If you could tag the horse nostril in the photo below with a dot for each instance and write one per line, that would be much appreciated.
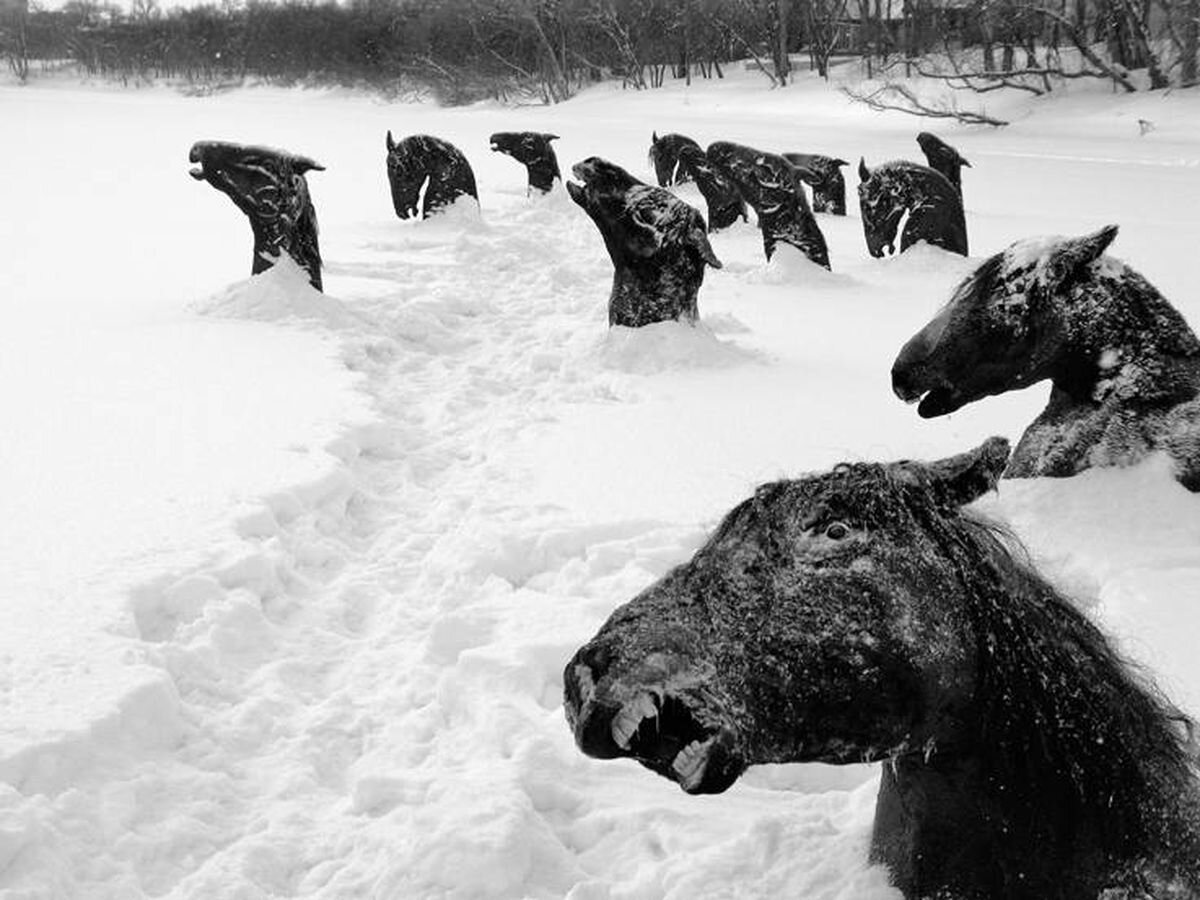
(597, 657)
(902, 385)
(580, 676)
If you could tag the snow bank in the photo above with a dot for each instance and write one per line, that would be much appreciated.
(290, 578)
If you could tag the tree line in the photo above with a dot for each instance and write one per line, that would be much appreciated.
(462, 50)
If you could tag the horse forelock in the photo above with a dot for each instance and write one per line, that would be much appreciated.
(869, 495)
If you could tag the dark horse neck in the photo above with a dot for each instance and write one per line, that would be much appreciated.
(944, 831)
(789, 223)
(542, 174)
(299, 242)
(1124, 342)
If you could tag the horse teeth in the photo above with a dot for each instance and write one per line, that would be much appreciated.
(585, 682)
(691, 762)
(630, 718)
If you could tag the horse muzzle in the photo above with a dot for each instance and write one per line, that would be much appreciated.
(669, 731)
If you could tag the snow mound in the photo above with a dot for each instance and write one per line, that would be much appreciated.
(668, 346)
(789, 265)
(280, 294)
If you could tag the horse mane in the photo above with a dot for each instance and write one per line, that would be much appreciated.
(1066, 724)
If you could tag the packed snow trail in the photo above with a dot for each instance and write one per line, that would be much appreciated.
(362, 698)
(324, 695)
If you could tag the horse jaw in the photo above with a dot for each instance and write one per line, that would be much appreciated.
(665, 724)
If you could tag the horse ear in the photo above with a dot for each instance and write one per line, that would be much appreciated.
(550, 137)
(654, 137)
(302, 164)
(840, 162)
(391, 144)
(863, 172)
(804, 173)
(958, 480)
(1074, 253)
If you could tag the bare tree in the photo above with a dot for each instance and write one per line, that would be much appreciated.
(781, 57)
(1189, 44)
(826, 23)
(14, 36)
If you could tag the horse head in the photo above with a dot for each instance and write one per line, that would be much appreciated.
(269, 186)
(664, 157)
(266, 184)
(767, 181)
(526, 147)
(824, 175)
(821, 622)
(882, 205)
(1003, 328)
(408, 171)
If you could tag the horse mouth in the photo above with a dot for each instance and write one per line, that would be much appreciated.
(582, 172)
(937, 402)
(196, 155)
(666, 734)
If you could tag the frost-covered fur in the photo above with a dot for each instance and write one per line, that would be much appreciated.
(658, 244)
(934, 207)
(421, 158)
(267, 185)
(1123, 364)
(771, 185)
(943, 158)
(724, 201)
(861, 615)
(664, 157)
(532, 150)
(824, 175)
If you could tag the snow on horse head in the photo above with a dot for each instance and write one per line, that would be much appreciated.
(824, 175)
(772, 185)
(532, 150)
(657, 243)
(934, 207)
(268, 185)
(1123, 364)
(721, 195)
(664, 157)
(421, 162)
(863, 615)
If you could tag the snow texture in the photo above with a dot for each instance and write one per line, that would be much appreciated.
(289, 585)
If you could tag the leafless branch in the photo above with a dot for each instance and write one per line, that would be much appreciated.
(1081, 45)
(884, 98)
(999, 80)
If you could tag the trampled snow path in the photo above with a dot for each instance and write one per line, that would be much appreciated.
(363, 699)
(323, 696)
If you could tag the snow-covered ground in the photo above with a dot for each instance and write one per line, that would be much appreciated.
(288, 581)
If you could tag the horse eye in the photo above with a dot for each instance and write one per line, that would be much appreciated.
(836, 531)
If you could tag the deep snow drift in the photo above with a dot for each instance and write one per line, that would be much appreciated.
(289, 579)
